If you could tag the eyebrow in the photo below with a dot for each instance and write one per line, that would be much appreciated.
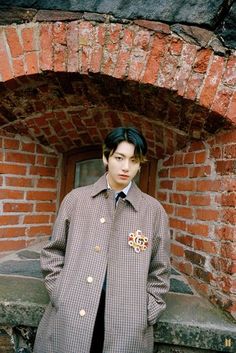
(121, 154)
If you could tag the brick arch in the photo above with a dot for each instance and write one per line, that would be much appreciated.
(125, 52)
(191, 82)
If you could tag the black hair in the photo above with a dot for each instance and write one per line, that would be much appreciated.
(129, 134)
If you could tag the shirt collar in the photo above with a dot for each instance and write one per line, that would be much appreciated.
(125, 190)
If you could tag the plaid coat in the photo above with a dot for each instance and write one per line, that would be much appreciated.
(91, 238)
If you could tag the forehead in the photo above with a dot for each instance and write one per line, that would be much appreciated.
(125, 148)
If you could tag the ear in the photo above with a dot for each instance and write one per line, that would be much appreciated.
(105, 161)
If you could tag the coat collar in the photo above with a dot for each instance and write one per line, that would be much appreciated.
(134, 195)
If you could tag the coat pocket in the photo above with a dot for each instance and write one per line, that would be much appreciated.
(54, 297)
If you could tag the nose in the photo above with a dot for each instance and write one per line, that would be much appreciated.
(125, 166)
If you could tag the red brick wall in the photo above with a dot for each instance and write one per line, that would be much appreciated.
(197, 187)
(28, 192)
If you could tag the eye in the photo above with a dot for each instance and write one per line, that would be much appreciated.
(134, 160)
(118, 158)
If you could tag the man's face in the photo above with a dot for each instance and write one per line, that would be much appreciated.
(122, 166)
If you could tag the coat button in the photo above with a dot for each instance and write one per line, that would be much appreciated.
(90, 279)
(82, 312)
(102, 220)
(97, 248)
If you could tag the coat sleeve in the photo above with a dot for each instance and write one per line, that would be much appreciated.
(159, 271)
(53, 254)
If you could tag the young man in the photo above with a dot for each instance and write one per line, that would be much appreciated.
(107, 266)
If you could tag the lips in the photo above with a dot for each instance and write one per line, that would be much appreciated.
(123, 176)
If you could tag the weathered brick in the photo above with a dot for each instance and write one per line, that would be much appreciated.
(97, 49)
(229, 215)
(11, 194)
(34, 219)
(177, 250)
(209, 247)
(230, 151)
(185, 185)
(179, 172)
(42, 230)
(222, 100)
(11, 144)
(177, 224)
(17, 157)
(19, 181)
(139, 55)
(202, 274)
(216, 152)
(28, 147)
(189, 158)
(198, 172)
(46, 183)
(45, 207)
(183, 73)
(168, 208)
(41, 195)
(167, 70)
(176, 46)
(198, 229)
(10, 245)
(212, 81)
(226, 232)
(184, 212)
(13, 41)
(184, 239)
(200, 157)
(208, 185)
(46, 46)
(12, 232)
(72, 38)
(207, 215)
(5, 67)
(86, 38)
(226, 167)
(157, 52)
(228, 250)
(186, 268)
(18, 67)
(229, 77)
(228, 199)
(199, 200)
(42, 171)
(193, 85)
(28, 38)
(178, 198)
(31, 62)
(202, 60)
(166, 184)
(7, 220)
(195, 258)
(17, 207)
